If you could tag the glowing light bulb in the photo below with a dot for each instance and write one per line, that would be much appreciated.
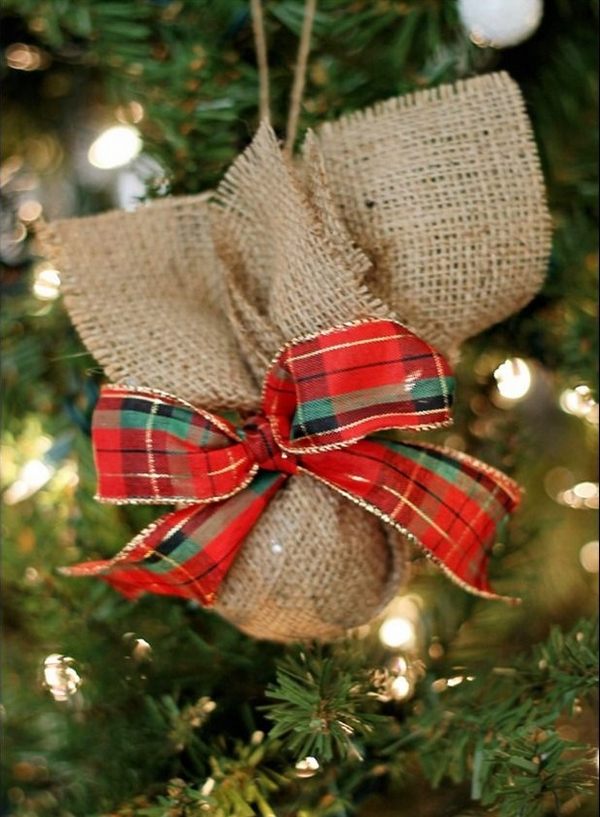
(513, 378)
(33, 476)
(24, 57)
(589, 558)
(115, 147)
(582, 495)
(60, 677)
(578, 401)
(142, 650)
(307, 767)
(30, 211)
(400, 688)
(397, 632)
(46, 285)
(586, 490)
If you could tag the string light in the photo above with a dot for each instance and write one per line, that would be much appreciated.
(46, 284)
(581, 495)
(132, 112)
(401, 688)
(513, 378)
(399, 628)
(142, 650)
(33, 476)
(397, 632)
(115, 147)
(307, 767)
(60, 677)
(24, 57)
(435, 650)
(30, 211)
(579, 402)
(208, 787)
(588, 556)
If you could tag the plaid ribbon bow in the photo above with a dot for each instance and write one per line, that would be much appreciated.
(324, 398)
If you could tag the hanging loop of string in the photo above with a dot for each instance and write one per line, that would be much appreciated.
(310, 8)
(260, 40)
(260, 43)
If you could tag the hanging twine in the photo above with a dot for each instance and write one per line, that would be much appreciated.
(310, 9)
(260, 41)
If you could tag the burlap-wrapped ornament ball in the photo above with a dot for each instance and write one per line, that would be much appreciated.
(427, 210)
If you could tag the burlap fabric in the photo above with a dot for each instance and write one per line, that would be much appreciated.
(428, 209)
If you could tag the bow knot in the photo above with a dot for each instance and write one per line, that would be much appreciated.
(326, 399)
(262, 448)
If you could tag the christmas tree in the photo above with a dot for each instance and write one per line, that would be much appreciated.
(446, 704)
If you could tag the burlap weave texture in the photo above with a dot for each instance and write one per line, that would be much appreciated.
(428, 209)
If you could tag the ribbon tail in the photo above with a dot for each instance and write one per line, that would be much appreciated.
(448, 503)
(188, 552)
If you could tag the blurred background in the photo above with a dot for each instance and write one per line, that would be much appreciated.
(110, 706)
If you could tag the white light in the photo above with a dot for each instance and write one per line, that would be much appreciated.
(115, 147)
(454, 682)
(588, 556)
(31, 478)
(397, 632)
(582, 495)
(586, 490)
(46, 286)
(60, 677)
(578, 401)
(513, 378)
(142, 650)
(400, 688)
(307, 767)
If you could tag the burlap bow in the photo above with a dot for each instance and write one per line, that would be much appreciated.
(323, 399)
(428, 210)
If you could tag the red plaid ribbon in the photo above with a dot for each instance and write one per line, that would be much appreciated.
(324, 399)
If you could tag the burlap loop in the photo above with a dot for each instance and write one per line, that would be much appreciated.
(429, 209)
(146, 292)
(443, 191)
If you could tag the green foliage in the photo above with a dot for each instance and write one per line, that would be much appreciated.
(214, 723)
(493, 727)
(321, 704)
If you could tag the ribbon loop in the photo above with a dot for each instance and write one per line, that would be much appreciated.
(152, 448)
(334, 388)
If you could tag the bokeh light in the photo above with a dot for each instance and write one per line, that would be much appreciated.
(60, 677)
(22, 57)
(588, 556)
(115, 147)
(397, 632)
(513, 378)
(46, 284)
(578, 401)
(33, 476)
